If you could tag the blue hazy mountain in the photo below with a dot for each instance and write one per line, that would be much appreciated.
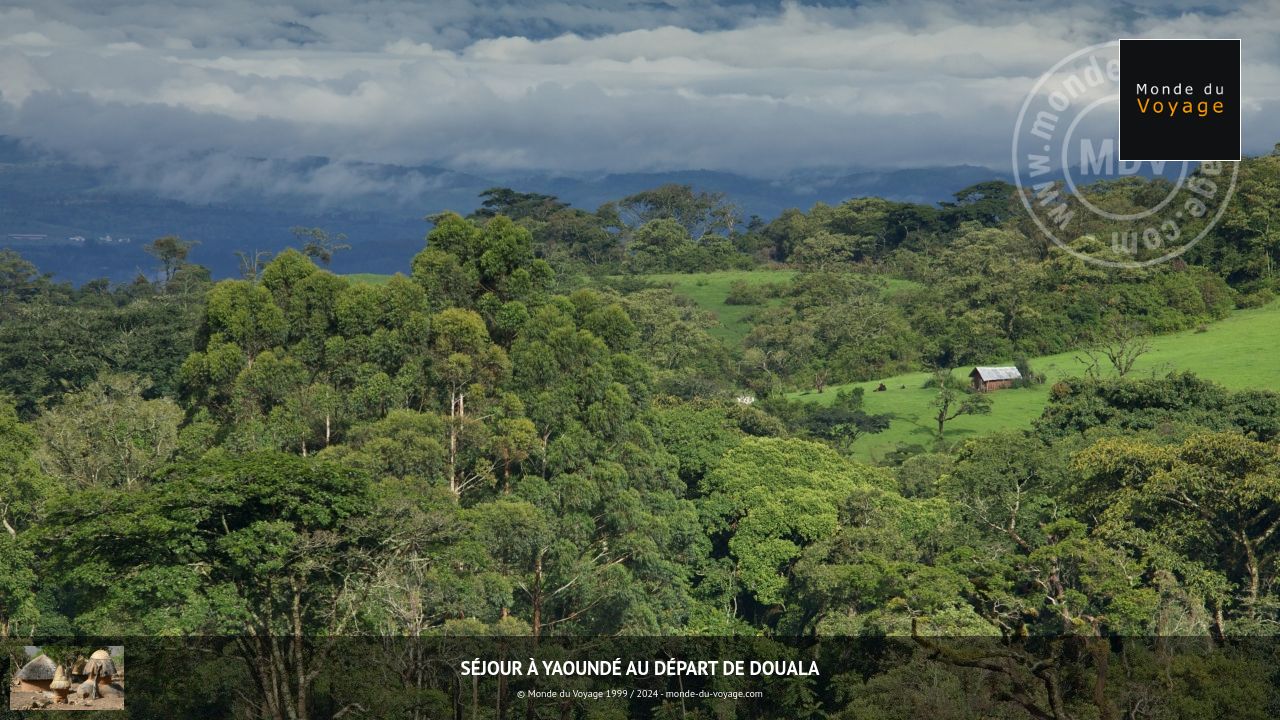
(81, 221)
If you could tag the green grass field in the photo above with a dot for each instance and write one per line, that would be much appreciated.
(369, 278)
(709, 290)
(1238, 352)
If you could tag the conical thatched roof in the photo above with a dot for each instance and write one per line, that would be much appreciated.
(40, 668)
(101, 662)
(60, 681)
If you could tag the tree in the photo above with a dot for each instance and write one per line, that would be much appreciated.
(580, 235)
(517, 205)
(23, 493)
(769, 498)
(466, 363)
(22, 486)
(244, 313)
(698, 212)
(171, 251)
(108, 435)
(987, 202)
(844, 421)
(1246, 243)
(318, 244)
(266, 547)
(18, 584)
(951, 402)
(785, 233)
(1035, 574)
(656, 243)
(251, 263)
(1122, 342)
(824, 251)
(50, 345)
(1212, 502)
(1179, 400)
(19, 279)
(406, 444)
(605, 540)
(465, 265)
(879, 570)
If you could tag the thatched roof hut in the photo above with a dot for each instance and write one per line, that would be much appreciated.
(36, 675)
(100, 664)
(40, 668)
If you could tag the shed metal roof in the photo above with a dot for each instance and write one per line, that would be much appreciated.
(996, 373)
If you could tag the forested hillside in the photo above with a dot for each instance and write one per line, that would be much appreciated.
(539, 431)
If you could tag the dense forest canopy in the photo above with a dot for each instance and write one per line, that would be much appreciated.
(528, 435)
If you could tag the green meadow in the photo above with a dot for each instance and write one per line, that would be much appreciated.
(369, 278)
(1242, 351)
(709, 289)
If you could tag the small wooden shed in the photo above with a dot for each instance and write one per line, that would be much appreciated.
(986, 379)
(37, 675)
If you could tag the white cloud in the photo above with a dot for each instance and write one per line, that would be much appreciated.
(759, 89)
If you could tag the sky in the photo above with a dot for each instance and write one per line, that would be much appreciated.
(758, 88)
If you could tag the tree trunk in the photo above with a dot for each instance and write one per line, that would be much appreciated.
(1100, 648)
(457, 412)
(298, 655)
(1251, 567)
(536, 599)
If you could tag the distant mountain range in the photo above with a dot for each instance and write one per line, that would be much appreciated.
(82, 221)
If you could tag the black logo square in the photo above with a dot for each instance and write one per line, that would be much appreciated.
(1179, 99)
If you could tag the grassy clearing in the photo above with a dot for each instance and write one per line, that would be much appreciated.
(1238, 352)
(709, 290)
(369, 278)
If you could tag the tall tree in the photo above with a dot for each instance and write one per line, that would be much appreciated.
(698, 212)
(109, 435)
(24, 491)
(1212, 502)
(268, 548)
(318, 244)
(467, 364)
(171, 251)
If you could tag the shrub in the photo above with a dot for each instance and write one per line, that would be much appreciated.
(743, 293)
(1255, 299)
(1030, 378)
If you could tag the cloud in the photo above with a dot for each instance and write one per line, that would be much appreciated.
(756, 88)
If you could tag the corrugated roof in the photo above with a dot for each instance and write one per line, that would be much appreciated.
(997, 373)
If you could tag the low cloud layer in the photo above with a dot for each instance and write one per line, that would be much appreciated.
(755, 88)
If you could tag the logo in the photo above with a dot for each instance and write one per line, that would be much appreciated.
(1180, 99)
(1082, 196)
